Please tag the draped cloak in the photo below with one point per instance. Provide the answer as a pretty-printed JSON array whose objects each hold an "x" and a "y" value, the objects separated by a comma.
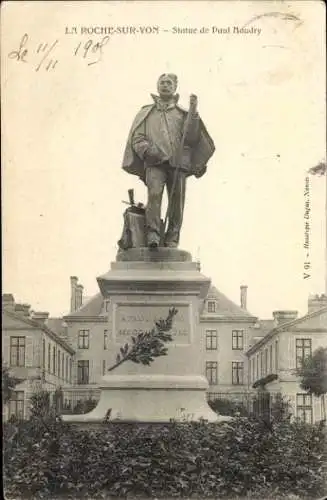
[{"x": 193, "y": 159}]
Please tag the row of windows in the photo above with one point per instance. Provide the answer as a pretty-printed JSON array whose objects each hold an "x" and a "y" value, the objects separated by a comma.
[
  {"x": 54, "y": 360},
  {"x": 84, "y": 339},
  {"x": 237, "y": 372},
  {"x": 212, "y": 340},
  {"x": 266, "y": 361}
]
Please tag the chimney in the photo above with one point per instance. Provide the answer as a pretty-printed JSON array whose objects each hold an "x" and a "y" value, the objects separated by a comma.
[
  {"x": 316, "y": 302},
  {"x": 198, "y": 265},
  {"x": 79, "y": 296},
  {"x": 8, "y": 301},
  {"x": 40, "y": 317},
  {"x": 281, "y": 317},
  {"x": 26, "y": 309},
  {"x": 73, "y": 287},
  {"x": 20, "y": 309},
  {"x": 244, "y": 291}
]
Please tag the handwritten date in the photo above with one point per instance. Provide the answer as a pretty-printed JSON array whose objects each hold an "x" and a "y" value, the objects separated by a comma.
[{"x": 44, "y": 55}]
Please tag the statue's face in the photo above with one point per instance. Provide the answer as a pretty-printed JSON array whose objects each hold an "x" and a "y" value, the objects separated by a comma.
[{"x": 166, "y": 87}]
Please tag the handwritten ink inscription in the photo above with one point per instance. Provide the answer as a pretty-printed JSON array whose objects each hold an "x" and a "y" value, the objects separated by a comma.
[
  {"x": 45, "y": 55},
  {"x": 134, "y": 319}
]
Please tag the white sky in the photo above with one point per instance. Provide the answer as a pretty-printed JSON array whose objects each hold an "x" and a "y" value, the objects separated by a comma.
[{"x": 262, "y": 99}]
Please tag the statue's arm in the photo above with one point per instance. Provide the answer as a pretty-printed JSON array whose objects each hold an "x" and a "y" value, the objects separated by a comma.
[
  {"x": 145, "y": 149},
  {"x": 140, "y": 142},
  {"x": 192, "y": 129}
]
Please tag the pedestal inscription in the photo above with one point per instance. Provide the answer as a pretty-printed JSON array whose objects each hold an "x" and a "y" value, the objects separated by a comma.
[{"x": 132, "y": 319}]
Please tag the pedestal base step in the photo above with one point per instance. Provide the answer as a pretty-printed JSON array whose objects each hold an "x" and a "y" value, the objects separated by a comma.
[{"x": 150, "y": 398}]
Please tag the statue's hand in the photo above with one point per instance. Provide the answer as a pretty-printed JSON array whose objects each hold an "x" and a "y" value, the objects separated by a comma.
[
  {"x": 193, "y": 102},
  {"x": 153, "y": 155},
  {"x": 200, "y": 171}
]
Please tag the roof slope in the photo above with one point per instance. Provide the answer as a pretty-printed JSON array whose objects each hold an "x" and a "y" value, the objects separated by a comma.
[
  {"x": 25, "y": 320},
  {"x": 288, "y": 326},
  {"x": 93, "y": 307},
  {"x": 226, "y": 307}
]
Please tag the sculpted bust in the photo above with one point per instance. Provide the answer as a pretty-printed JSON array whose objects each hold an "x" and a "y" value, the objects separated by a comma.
[{"x": 167, "y": 144}]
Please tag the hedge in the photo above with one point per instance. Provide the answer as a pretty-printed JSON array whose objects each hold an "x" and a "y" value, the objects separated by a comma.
[{"x": 47, "y": 458}]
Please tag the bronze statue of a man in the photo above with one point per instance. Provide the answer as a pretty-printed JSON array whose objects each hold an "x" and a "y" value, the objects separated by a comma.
[{"x": 167, "y": 144}]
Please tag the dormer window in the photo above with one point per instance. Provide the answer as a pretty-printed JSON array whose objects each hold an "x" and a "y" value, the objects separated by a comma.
[{"x": 212, "y": 306}]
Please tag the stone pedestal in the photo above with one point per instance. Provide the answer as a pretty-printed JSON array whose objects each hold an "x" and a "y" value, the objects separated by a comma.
[{"x": 142, "y": 286}]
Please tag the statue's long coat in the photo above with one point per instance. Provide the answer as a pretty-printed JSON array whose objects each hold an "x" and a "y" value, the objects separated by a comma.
[{"x": 197, "y": 157}]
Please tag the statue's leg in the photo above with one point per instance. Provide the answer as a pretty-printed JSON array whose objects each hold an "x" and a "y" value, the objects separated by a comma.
[
  {"x": 155, "y": 181},
  {"x": 176, "y": 194}
]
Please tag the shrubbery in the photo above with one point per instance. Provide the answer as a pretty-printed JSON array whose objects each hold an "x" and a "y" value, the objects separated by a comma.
[
  {"x": 228, "y": 407},
  {"x": 49, "y": 458}
]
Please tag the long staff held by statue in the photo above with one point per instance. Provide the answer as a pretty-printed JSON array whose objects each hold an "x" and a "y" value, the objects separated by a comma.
[{"x": 191, "y": 111}]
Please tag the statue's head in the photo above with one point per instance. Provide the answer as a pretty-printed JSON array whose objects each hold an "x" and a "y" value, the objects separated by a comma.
[{"x": 167, "y": 85}]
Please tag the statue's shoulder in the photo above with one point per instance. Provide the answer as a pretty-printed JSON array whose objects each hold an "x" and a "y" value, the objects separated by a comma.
[
  {"x": 181, "y": 108},
  {"x": 144, "y": 110}
]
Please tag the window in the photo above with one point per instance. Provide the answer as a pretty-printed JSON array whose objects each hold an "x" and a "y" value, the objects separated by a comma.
[
  {"x": 54, "y": 360},
  {"x": 211, "y": 372},
  {"x": 266, "y": 362},
  {"x": 238, "y": 336},
  {"x": 107, "y": 305},
  {"x": 303, "y": 350},
  {"x": 261, "y": 363},
  {"x": 237, "y": 372},
  {"x": 270, "y": 359},
  {"x": 70, "y": 369},
  {"x": 63, "y": 366},
  {"x": 253, "y": 369},
  {"x": 104, "y": 367},
  {"x": 59, "y": 363},
  {"x": 257, "y": 366},
  {"x": 276, "y": 355},
  {"x": 17, "y": 351},
  {"x": 66, "y": 368},
  {"x": 43, "y": 354},
  {"x": 83, "y": 339},
  {"x": 304, "y": 407},
  {"x": 105, "y": 339},
  {"x": 211, "y": 306},
  {"x": 49, "y": 357},
  {"x": 16, "y": 404},
  {"x": 83, "y": 371},
  {"x": 211, "y": 340}
]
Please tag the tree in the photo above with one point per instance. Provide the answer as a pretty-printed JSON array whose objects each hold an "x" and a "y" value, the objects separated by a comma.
[
  {"x": 313, "y": 374},
  {"x": 8, "y": 384}
]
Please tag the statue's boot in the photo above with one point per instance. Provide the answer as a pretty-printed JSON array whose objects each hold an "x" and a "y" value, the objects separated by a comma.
[{"x": 153, "y": 240}]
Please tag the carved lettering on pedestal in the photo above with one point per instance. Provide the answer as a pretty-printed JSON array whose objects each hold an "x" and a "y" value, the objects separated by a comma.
[{"x": 134, "y": 319}]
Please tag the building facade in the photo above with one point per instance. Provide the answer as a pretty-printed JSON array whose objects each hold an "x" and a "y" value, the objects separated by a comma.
[
  {"x": 226, "y": 333},
  {"x": 239, "y": 352},
  {"x": 34, "y": 353},
  {"x": 274, "y": 358},
  {"x": 225, "y": 329}
]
